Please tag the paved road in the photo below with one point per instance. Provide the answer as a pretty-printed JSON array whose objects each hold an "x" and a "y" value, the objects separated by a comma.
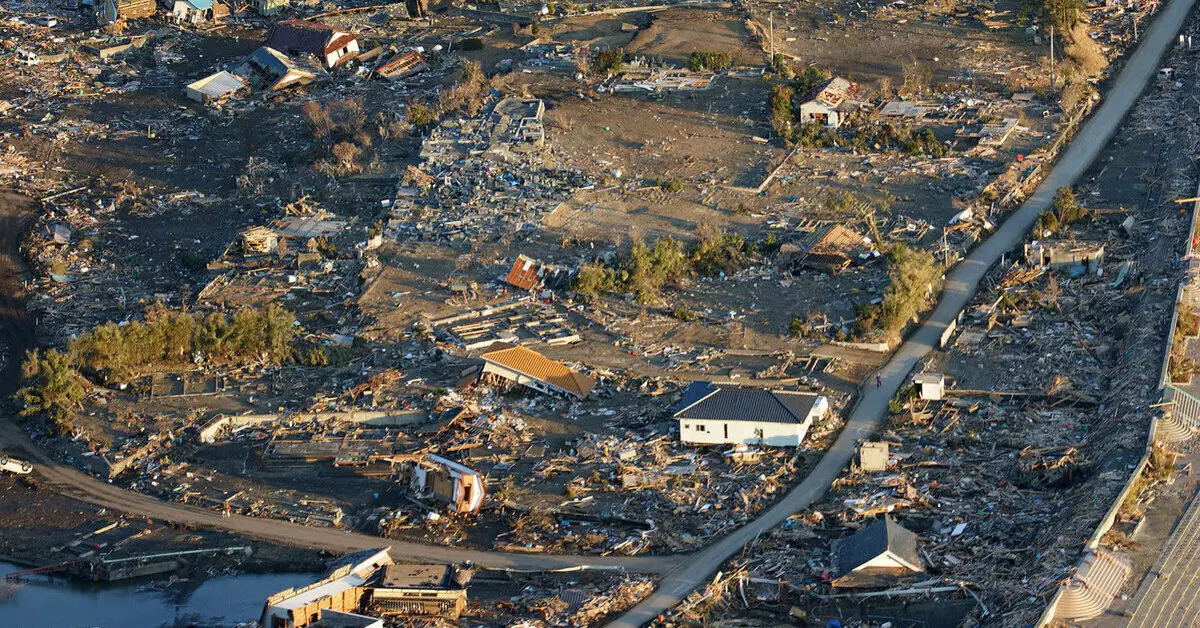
[
  {"x": 687, "y": 572},
  {"x": 1172, "y": 598},
  {"x": 960, "y": 287}
]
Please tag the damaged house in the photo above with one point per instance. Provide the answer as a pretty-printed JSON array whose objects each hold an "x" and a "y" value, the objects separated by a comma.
[
  {"x": 332, "y": 46},
  {"x": 712, "y": 415},
  {"x": 530, "y": 274},
  {"x": 197, "y": 11},
  {"x": 461, "y": 488},
  {"x": 110, "y": 11},
  {"x": 270, "y": 70},
  {"x": 269, "y": 8},
  {"x": 833, "y": 248},
  {"x": 829, "y": 105},
  {"x": 342, "y": 591},
  {"x": 1073, "y": 257},
  {"x": 216, "y": 87},
  {"x": 510, "y": 363},
  {"x": 876, "y": 556}
]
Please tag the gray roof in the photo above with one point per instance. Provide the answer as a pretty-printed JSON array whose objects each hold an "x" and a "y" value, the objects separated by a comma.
[
  {"x": 705, "y": 400},
  {"x": 877, "y": 538},
  {"x": 218, "y": 84}
]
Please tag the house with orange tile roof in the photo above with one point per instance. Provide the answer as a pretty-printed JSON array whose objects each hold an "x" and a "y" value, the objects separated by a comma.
[{"x": 531, "y": 369}]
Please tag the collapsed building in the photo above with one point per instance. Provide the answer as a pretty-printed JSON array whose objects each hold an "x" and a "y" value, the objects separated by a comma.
[
  {"x": 1075, "y": 258},
  {"x": 461, "y": 488},
  {"x": 876, "y": 555},
  {"x": 530, "y": 274},
  {"x": 402, "y": 66},
  {"x": 373, "y": 584}
]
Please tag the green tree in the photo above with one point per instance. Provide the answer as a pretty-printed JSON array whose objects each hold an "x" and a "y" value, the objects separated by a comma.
[
  {"x": 809, "y": 78},
  {"x": 780, "y": 66},
  {"x": 1066, "y": 207},
  {"x": 609, "y": 61},
  {"x": 593, "y": 280},
  {"x": 51, "y": 386},
  {"x": 780, "y": 105},
  {"x": 1063, "y": 14},
  {"x": 712, "y": 61},
  {"x": 914, "y": 277}
]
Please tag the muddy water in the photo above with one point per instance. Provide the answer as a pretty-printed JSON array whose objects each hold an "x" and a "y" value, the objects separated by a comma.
[{"x": 56, "y": 603}]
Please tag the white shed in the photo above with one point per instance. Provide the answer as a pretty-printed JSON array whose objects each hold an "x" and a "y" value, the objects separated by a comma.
[{"x": 931, "y": 386}]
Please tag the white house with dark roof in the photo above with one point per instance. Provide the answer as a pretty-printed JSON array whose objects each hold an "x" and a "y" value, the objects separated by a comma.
[{"x": 714, "y": 415}]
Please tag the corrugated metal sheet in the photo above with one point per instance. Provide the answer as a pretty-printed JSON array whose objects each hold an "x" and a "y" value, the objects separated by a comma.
[{"x": 1092, "y": 589}]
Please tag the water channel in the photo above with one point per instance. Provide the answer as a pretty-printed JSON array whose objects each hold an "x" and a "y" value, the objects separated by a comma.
[{"x": 59, "y": 603}]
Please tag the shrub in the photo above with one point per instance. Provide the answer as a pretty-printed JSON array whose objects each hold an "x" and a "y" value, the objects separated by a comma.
[
  {"x": 652, "y": 267},
  {"x": 780, "y": 104},
  {"x": 712, "y": 61},
  {"x": 420, "y": 114},
  {"x": 673, "y": 185},
  {"x": 1066, "y": 207},
  {"x": 318, "y": 120},
  {"x": 717, "y": 251},
  {"x": 923, "y": 142},
  {"x": 682, "y": 313},
  {"x": 347, "y": 154}
]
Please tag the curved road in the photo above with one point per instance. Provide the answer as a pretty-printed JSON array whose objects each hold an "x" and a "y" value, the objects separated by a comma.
[
  {"x": 16, "y": 331},
  {"x": 960, "y": 286},
  {"x": 682, "y": 573}
]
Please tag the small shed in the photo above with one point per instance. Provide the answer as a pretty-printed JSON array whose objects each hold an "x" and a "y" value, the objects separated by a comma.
[
  {"x": 931, "y": 386},
  {"x": 876, "y": 555},
  {"x": 873, "y": 457}
]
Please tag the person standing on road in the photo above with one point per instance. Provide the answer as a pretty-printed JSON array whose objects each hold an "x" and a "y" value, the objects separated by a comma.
[{"x": 878, "y": 381}]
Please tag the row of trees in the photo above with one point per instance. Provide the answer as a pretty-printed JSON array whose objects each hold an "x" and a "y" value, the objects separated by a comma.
[
  {"x": 647, "y": 268},
  {"x": 54, "y": 384}
]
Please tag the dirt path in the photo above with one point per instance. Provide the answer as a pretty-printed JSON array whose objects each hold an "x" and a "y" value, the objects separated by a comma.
[
  {"x": 16, "y": 330},
  {"x": 17, "y": 334}
]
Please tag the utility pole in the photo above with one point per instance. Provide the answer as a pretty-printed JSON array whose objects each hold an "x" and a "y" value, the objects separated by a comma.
[
  {"x": 771, "y": 21},
  {"x": 1052, "y": 56}
]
